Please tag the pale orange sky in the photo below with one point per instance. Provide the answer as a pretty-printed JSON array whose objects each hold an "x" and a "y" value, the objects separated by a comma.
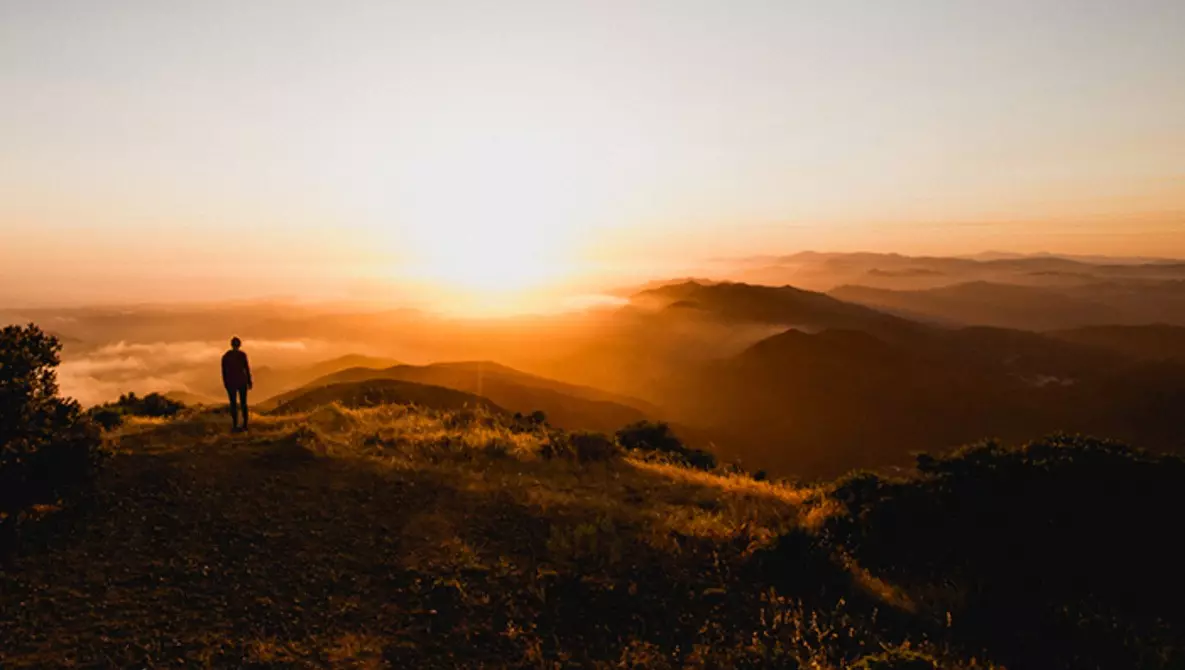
[{"x": 153, "y": 150}]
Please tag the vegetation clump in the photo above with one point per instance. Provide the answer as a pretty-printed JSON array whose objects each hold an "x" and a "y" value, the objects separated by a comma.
[
  {"x": 657, "y": 438},
  {"x": 582, "y": 446},
  {"x": 1063, "y": 538},
  {"x": 899, "y": 658},
  {"x": 155, "y": 405},
  {"x": 48, "y": 449}
]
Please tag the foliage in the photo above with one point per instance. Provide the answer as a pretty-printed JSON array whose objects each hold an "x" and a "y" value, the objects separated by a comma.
[
  {"x": 580, "y": 446},
  {"x": 658, "y": 438},
  {"x": 1066, "y": 535},
  {"x": 898, "y": 658},
  {"x": 156, "y": 405},
  {"x": 48, "y": 449},
  {"x": 536, "y": 420},
  {"x": 592, "y": 447}
]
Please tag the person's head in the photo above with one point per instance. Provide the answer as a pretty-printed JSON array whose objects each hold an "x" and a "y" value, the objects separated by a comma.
[{"x": 235, "y": 343}]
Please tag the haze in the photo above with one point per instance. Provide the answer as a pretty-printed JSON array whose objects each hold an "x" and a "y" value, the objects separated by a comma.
[{"x": 484, "y": 156}]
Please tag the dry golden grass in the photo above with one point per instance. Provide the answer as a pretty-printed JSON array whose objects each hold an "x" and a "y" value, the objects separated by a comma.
[
  {"x": 400, "y": 537},
  {"x": 482, "y": 455}
]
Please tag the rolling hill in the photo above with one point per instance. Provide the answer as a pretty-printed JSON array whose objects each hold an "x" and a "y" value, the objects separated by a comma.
[
  {"x": 783, "y": 305},
  {"x": 985, "y": 304},
  {"x": 819, "y": 404},
  {"x": 1030, "y": 307},
  {"x": 827, "y": 271},
  {"x": 375, "y": 392},
  {"x": 1157, "y": 342},
  {"x": 193, "y": 399},
  {"x": 270, "y": 382},
  {"x": 566, "y": 405}
]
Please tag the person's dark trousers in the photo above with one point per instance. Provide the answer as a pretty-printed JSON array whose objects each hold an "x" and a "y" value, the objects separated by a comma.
[{"x": 238, "y": 398}]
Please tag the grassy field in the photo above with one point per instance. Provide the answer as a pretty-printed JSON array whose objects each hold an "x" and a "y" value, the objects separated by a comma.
[{"x": 400, "y": 537}]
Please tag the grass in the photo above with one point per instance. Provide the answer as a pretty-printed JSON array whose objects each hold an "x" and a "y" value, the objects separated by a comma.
[{"x": 400, "y": 537}]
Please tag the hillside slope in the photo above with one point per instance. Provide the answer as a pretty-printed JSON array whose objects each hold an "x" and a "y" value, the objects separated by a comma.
[
  {"x": 1023, "y": 307},
  {"x": 396, "y": 537},
  {"x": 783, "y": 305},
  {"x": 374, "y": 392},
  {"x": 386, "y": 537},
  {"x": 820, "y": 404},
  {"x": 1157, "y": 342},
  {"x": 566, "y": 405}
]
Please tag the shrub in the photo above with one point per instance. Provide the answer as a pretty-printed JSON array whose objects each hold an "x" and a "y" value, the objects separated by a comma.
[
  {"x": 590, "y": 447},
  {"x": 155, "y": 405},
  {"x": 897, "y": 659},
  {"x": 583, "y": 446},
  {"x": 657, "y": 437},
  {"x": 106, "y": 417},
  {"x": 48, "y": 448},
  {"x": 528, "y": 422},
  {"x": 1072, "y": 536},
  {"x": 799, "y": 564},
  {"x": 650, "y": 436},
  {"x": 112, "y": 414}
]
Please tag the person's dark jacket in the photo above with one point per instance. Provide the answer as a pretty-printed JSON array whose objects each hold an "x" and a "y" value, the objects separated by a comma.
[{"x": 236, "y": 372}]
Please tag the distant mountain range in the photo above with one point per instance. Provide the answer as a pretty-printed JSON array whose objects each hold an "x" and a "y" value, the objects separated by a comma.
[
  {"x": 838, "y": 386},
  {"x": 1031, "y": 307},
  {"x": 827, "y": 271}
]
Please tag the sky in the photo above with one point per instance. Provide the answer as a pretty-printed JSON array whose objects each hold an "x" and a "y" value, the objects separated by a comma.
[{"x": 225, "y": 149}]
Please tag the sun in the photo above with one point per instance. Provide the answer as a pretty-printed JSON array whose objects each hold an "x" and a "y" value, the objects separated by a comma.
[
  {"x": 495, "y": 214},
  {"x": 498, "y": 259}
]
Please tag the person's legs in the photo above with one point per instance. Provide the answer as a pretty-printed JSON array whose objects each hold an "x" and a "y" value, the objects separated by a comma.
[
  {"x": 243, "y": 405},
  {"x": 234, "y": 409}
]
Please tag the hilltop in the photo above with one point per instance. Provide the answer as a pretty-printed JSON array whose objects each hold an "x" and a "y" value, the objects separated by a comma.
[{"x": 399, "y": 536}]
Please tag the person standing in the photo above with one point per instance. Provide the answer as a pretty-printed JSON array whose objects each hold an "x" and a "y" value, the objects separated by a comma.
[{"x": 236, "y": 377}]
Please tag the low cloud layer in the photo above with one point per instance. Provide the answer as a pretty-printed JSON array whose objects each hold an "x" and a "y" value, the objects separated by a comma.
[{"x": 105, "y": 373}]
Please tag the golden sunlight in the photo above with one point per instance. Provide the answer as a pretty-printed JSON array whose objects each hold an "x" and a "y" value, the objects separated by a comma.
[{"x": 496, "y": 212}]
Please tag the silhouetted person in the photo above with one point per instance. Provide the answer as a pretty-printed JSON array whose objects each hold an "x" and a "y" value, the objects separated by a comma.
[{"x": 236, "y": 377}]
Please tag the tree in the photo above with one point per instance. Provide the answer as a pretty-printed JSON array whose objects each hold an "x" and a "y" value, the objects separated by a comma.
[{"x": 48, "y": 449}]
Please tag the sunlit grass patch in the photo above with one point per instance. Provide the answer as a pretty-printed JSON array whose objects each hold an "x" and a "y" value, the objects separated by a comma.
[
  {"x": 272, "y": 651},
  {"x": 731, "y": 483},
  {"x": 354, "y": 650}
]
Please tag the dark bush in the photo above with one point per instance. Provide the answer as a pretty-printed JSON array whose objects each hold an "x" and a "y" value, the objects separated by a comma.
[
  {"x": 583, "y": 446},
  {"x": 799, "y": 565},
  {"x": 658, "y": 438},
  {"x": 590, "y": 447},
  {"x": 106, "y": 417},
  {"x": 528, "y": 422},
  {"x": 112, "y": 414},
  {"x": 48, "y": 448},
  {"x": 1068, "y": 539},
  {"x": 155, "y": 405},
  {"x": 897, "y": 659}
]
